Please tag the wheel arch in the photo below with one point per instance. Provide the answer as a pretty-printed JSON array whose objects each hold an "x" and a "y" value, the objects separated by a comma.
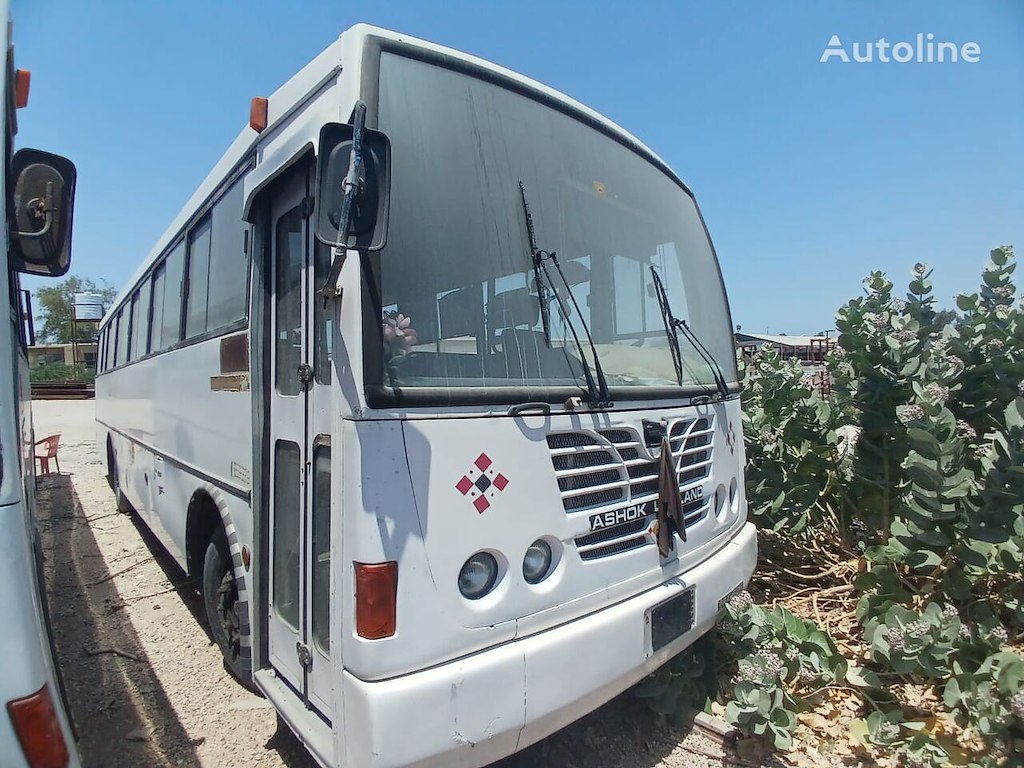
[{"x": 207, "y": 511}]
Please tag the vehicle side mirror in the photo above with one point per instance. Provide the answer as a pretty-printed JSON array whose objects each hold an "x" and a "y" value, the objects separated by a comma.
[
  {"x": 368, "y": 219},
  {"x": 41, "y": 212}
]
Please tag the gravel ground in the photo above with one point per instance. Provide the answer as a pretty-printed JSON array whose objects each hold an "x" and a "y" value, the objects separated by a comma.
[{"x": 146, "y": 684}]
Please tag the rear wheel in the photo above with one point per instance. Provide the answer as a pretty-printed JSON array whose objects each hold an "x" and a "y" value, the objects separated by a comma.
[{"x": 220, "y": 594}]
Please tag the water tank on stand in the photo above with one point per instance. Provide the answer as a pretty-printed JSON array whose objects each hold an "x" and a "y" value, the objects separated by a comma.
[{"x": 88, "y": 306}]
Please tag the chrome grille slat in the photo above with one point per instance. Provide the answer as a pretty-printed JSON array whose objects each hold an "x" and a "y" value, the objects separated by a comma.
[
  {"x": 614, "y": 548},
  {"x": 589, "y": 480},
  {"x": 614, "y": 532},
  {"x": 572, "y": 492},
  {"x": 593, "y": 499},
  {"x": 572, "y": 450}
]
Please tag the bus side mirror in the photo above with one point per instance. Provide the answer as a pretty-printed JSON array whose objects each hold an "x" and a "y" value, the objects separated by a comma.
[
  {"x": 368, "y": 219},
  {"x": 41, "y": 212}
]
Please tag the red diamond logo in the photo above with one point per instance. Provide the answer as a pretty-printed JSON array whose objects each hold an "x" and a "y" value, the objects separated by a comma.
[{"x": 480, "y": 484}]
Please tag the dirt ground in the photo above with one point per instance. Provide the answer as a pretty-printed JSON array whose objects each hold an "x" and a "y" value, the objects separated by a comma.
[{"x": 146, "y": 684}]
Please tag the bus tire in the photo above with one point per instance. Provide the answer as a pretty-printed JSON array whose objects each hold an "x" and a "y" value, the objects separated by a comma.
[
  {"x": 220, "y": 596},
  {"x": 120, "y": 500}
]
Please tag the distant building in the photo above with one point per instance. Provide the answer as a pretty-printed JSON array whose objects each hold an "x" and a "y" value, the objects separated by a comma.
[
  {"x": 63, "y": 354},
  {"x": 810, "y": 350}
]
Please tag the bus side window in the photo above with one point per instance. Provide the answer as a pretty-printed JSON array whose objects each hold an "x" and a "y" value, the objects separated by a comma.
[
  {"x": 140, "y": 343},
  {"x": 156, "y": 320},
  {"x": 174, "y": 266},
  {"x": 198, "y": 279},
  {"x": 229, "y": 263},
  {"x": 122, "y": 337},
  {"x": 322, "y": 545},
  {"x": 135, "y": 327}
]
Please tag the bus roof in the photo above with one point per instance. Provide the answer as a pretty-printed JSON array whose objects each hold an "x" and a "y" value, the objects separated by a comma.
[{"x": 343, "y": 52}]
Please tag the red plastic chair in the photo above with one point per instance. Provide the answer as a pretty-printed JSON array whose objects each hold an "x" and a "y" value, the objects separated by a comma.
[{"x": 46, "y": 449}]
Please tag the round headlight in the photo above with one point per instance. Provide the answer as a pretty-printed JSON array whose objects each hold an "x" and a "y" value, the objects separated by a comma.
[
  {"x": 537, "y": 561},
  {"x": 478, "y": 575}
]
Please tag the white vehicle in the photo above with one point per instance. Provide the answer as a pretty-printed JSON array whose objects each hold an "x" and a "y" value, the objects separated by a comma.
[
  {"x": 431, "y": 384},
  {"x": 38, "y": 202}
]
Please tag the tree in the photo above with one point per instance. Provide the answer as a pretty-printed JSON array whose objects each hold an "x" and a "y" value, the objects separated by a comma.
[{"x": 54, "y": 304}]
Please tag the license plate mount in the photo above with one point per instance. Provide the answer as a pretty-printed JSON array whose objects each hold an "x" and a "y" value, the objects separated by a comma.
[{"x": 671, "y": 619}]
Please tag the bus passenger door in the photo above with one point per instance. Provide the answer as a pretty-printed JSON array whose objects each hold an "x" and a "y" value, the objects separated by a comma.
[{"x": 300, "y": 453}]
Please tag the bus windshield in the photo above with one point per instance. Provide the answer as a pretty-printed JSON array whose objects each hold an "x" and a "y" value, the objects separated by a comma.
[{"x": 461, "y": 303}]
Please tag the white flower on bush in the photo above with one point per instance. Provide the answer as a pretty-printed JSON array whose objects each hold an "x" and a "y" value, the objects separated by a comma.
[
  {"x": 761, "y": 669},
  {"x": 896, "y": 638},
  {"x": 999, "y": 635},
  {"x": 887, "y": 731},
  {"x": 911, "y": 413},
  {"x": 937, "y": 392},
  {"x": 1017, "y": 705},
  {"x": 905, "y": 335},
  {"x": 879, "y": 321},
  {"x": 983, "y": 452},
  {"x": 741, "y": 601},
  {"x": 965, "y": 431},
  {"x": 899, "y": 305},
  {"x": 955, "y": 362}
]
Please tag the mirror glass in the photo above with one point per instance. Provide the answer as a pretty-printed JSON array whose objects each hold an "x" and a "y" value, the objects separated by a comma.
[{"x": 41, "y": 212}]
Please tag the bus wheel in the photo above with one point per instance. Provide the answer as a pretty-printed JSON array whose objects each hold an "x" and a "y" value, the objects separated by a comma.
[
  {"x": 123, "y": 505},
  {"x": 220, "y": 594}
]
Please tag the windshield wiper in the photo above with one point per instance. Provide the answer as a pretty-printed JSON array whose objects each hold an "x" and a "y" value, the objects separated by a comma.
[
  {"x": 597, "y": 391},
  {"x": 672, "y": 325}
]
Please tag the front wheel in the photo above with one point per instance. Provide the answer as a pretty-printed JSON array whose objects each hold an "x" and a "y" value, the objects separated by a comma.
[{"x": 220, "y": 594}]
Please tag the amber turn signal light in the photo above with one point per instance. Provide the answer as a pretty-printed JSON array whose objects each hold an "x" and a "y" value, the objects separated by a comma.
[
  {"x": 22, "y": 81},
  {"x": 376, "y": 599},
  {"x": 258, "y": 113},
  {"x": 35, "y": 721}
]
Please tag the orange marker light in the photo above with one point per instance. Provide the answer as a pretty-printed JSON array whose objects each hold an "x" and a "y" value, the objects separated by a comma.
[
  {"x": 35, "y": 721},
  {"x": 258, "y": 113},
  {"x": 376, "y": 599},
  {"x": 22, "y": 81}
]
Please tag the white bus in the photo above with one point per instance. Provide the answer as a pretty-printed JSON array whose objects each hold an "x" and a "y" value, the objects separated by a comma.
[
  {"x": 37, "y": 210},
  {"x": 431, "y": 384}
]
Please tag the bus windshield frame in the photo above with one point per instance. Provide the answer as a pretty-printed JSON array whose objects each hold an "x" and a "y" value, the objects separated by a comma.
[{"x": 455, "y": 310}]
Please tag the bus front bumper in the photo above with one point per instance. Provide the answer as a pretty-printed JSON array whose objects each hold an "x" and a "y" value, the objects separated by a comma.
[{"x": 476, "y": 710}]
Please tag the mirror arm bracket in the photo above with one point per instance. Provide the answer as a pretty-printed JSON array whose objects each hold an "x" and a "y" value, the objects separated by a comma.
[
  {"x": 353, "y": 186},
  {"x": 47, "y": 210}
]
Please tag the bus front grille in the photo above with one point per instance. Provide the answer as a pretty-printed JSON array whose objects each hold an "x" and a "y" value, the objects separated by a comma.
[{"x": 605, "y": 470}]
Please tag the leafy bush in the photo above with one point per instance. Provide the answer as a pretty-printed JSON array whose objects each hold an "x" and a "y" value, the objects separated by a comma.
[
  {"x": 792, "y": 447},
  {"x": 61, "y": 372},
  {"x": 933, "y": 496},
  {"x": 783, "y": 663}
]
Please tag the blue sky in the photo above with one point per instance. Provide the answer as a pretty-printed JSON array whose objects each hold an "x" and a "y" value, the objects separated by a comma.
[{"x": 809, "y": 175}]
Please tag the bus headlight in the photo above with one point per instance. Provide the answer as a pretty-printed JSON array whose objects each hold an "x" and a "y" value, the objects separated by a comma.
[
  {"x": 537, "y": 561},
  {"x": 478, "y": 575}
]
